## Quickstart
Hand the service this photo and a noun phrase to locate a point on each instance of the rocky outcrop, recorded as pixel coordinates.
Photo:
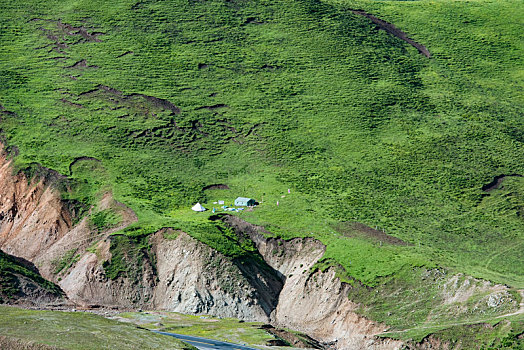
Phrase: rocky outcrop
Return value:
(87, 284)
(186, 275)
(278, 284)
(313, 303)
(32, 216)
(193, 278)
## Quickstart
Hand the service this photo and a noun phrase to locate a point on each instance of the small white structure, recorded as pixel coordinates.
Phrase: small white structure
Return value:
(244, 202)
(198, 207)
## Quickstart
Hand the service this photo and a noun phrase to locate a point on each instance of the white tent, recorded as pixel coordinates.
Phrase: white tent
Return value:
(198, 207)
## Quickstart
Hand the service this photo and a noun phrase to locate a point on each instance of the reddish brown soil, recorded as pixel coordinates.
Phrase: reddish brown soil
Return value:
(390, 28)
(356, 229)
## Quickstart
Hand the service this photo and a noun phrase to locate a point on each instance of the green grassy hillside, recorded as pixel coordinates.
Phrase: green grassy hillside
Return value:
(169, 97)
(19, 280)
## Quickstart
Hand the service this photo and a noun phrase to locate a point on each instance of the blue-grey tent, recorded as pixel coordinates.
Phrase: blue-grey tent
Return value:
(244, 202)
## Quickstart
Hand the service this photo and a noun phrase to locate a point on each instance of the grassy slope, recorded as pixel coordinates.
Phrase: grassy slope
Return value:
(10, 270)
(78, 330)
(355, 122)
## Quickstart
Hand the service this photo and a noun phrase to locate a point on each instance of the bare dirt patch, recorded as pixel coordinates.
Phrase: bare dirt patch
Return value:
(59, 33)
(213, 107)
(82, 31)
(216, 187)
(391, 29)
(356, 229)
(80, 65)
(72, 104)
(497, 182)
(158, 102)
(131, 100)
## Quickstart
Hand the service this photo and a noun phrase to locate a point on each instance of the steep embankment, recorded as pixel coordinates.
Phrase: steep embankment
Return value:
(172, 271)
(21, 284)
(182, 274)
(36, 225)
(314, 303)
(32, 215)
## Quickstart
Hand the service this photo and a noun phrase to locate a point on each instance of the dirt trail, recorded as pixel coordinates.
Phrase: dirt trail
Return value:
(390, 28)
(453, 324)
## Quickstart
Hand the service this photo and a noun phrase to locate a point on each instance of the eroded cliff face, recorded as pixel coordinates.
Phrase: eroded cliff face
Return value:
(193, 278)
(181, 274)
(313, 303)
(187, 276)
(32, 216)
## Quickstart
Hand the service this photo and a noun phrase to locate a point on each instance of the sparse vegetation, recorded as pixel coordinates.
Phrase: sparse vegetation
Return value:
(66, 261)
(127, 257)
(105, 219)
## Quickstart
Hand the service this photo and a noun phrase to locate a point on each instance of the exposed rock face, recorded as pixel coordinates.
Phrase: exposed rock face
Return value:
(87, 284)
(32, 216)
(193, 278)
(316, 304)
(187, 275)
(184, 275)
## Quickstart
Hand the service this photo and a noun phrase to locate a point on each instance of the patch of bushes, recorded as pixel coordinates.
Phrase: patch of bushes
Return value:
(104, 220)
(66, 261)
(127, 257)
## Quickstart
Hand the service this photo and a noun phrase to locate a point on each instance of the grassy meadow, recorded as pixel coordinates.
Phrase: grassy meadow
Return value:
(79, 331)
(155, 100)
